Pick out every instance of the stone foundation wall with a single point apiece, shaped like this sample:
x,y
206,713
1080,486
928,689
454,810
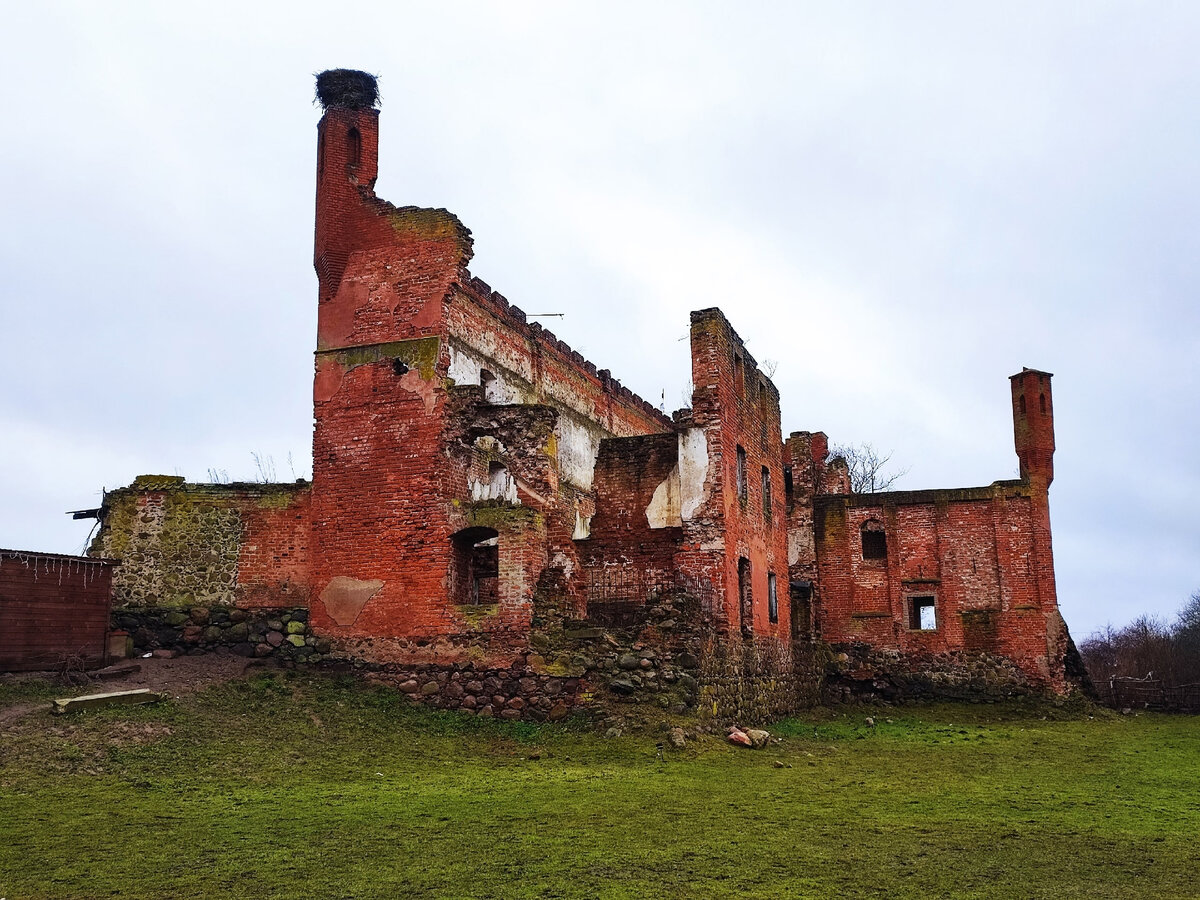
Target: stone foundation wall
x,y
758,680
280,633
859,672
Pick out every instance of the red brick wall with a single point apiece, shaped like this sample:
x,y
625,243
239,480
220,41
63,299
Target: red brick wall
x,y
972,549
983,553
273,563
737,405
624,552
52,608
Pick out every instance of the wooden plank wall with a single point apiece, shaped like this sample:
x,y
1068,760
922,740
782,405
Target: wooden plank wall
x,y
52,609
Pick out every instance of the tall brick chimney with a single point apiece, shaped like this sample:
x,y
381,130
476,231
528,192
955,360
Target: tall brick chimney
x,y
347,166
1033,424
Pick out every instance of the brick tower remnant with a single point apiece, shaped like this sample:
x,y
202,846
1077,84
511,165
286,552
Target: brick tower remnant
x,y
455,442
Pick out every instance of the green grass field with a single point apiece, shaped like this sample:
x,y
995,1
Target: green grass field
x,y
306,785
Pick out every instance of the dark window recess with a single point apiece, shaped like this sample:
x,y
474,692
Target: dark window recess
x,y
476,570
745,597
399,366
1042,397
874,541
800,601
741,473
788,487
921,614
772,598
766,494
353,146
1022,404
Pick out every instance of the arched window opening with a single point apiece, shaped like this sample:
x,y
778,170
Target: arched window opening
x,y
491,387
500,483
475,571
353,146
874,540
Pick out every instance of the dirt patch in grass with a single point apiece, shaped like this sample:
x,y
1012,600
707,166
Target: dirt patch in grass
x,y
27,693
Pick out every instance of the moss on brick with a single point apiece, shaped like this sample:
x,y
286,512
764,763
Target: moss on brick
x,y
502,517
420,354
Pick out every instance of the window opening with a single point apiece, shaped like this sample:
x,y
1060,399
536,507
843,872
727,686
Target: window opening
x,y
741,473
745,597
772,598
921,614
475,573
353,146
1042,398
788,485
800,598
766,494
1022,404
739,374
874,541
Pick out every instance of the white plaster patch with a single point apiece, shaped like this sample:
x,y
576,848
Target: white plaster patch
x,y
800,546
583,527
692,471
464,368
663,511
500,486
498,385
578,447
562,561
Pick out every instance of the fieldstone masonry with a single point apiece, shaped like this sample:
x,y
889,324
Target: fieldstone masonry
x,y
279,633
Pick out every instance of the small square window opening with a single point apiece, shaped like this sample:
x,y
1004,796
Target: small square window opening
x,y
922,615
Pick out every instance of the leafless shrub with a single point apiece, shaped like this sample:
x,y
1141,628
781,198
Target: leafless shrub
x,y
1169,651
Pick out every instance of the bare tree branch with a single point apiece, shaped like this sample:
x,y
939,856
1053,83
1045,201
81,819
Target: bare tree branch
x,y
868,468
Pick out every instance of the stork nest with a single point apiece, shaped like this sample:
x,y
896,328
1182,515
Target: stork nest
x,y
347,89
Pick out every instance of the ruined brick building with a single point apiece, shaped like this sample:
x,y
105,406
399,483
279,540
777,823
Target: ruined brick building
x,y
484,499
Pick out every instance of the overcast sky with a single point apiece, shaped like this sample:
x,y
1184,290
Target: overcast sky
x,y
901,204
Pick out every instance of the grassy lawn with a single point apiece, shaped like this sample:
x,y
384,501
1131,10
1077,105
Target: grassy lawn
x,y
306,785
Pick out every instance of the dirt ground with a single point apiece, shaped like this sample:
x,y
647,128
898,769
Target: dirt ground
x,y
173,677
